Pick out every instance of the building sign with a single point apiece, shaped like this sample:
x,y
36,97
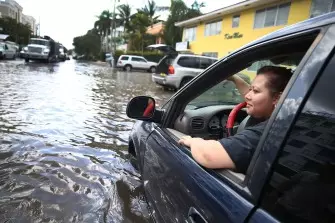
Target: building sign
x,y
181,46
233,36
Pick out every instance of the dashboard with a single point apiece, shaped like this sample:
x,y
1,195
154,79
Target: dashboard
x,y
207,122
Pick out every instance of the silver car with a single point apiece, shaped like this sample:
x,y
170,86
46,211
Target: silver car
x,y
129,62
175,69
7,51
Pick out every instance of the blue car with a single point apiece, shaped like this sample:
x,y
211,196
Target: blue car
x,y
291,175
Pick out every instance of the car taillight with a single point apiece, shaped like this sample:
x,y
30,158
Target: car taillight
x,y
171,70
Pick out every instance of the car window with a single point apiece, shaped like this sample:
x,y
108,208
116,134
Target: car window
x,y
302,186
124,58
206,62
189,62
137,59
226,91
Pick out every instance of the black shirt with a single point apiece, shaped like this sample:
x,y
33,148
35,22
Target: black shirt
x,y
242,146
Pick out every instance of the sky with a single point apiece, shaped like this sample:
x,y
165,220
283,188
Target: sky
x,y
63,20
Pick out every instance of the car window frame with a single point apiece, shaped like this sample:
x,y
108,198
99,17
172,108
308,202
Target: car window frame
x,y
325,75
177,107
319,54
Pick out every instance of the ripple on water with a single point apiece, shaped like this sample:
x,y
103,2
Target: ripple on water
x,y
63,148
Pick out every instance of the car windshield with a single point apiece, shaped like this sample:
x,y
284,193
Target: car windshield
x,y
39,42
223,93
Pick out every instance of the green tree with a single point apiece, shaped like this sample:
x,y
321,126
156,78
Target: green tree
x,y
178,12
88,44
19,32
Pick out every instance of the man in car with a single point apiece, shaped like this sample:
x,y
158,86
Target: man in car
x,y
235,152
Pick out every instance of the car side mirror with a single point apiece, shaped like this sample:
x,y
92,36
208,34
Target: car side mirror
x,y
143,108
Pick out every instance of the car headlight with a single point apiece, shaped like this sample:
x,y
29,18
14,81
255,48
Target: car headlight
x,y
46,51
25,48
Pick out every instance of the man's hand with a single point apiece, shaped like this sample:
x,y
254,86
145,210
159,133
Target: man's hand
x,y
190,142
186,141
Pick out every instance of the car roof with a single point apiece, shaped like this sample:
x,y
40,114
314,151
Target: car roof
x,y
195,55
130,55
305,25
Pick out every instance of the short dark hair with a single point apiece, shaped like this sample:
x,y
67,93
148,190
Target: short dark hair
x,y
278,77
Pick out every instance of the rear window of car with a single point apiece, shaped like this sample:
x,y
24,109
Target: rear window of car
x,y
206,62
189,62
124,58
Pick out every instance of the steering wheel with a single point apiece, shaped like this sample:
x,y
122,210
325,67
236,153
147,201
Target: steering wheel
x,y
232,117
148,110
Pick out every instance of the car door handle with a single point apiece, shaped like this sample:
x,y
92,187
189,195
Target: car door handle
x,y
195,217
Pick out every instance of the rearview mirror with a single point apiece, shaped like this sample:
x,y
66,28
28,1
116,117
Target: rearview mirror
x,y
141,107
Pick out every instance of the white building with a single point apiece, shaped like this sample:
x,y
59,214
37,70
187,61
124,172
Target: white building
x,y
12,9
31,21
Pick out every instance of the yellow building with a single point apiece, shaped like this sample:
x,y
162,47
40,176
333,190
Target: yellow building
x,y
222,31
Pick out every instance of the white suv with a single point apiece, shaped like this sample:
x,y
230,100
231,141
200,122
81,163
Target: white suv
x,y
176,69
129,62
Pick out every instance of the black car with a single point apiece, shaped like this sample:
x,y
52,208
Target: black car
x,y
291,175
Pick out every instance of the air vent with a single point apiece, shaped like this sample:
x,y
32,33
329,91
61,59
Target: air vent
x,y
197,123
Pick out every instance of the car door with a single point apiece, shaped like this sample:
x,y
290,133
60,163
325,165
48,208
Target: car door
x,y
134,62
179,190
143,63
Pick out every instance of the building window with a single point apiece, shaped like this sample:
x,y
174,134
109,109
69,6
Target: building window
x,y
236,21
213,28
210,54
190,33
272,16
320,7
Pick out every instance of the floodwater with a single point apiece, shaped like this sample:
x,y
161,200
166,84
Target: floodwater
x,y
63,143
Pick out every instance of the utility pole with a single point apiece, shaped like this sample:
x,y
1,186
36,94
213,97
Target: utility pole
x,y
113,46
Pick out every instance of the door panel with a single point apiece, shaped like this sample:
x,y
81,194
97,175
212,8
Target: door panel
x,y
176,185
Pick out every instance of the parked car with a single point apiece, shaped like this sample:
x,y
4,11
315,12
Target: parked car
x,y
176,69
129,62
7,51
291,175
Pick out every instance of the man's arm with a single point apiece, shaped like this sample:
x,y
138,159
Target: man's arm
x,y
242,86
208,153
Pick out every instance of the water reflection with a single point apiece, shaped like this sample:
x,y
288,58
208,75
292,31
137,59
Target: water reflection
x,y
63,149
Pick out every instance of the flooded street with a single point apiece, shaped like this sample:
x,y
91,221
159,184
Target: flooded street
x,y
64,136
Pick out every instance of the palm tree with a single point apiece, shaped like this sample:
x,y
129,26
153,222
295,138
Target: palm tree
x,y
124,16
139,23
103,25
150,10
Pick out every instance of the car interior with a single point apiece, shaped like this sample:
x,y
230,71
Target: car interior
x,y
205,117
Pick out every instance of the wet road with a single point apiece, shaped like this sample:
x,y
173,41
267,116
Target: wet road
x,y
63,149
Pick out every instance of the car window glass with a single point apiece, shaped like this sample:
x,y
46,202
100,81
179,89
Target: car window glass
x,y
189,62
136,59
206,62
124,58
226,91
302,187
